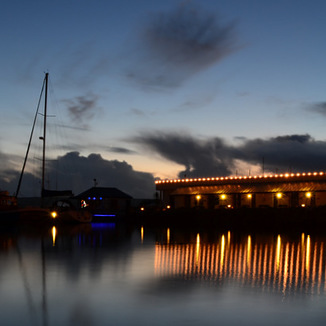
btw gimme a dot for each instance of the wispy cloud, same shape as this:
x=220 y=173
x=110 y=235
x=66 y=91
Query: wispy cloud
x=81 y=109
x=120 y=150
x=319 y=108
x=179 y=43
x=137 y=112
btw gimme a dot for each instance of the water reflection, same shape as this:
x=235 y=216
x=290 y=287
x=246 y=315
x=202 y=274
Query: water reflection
x=54 y=235
x=142 y=234
x=104 y=274
x=271 y=264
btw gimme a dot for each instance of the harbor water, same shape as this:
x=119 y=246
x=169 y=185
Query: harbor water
x=107 y=274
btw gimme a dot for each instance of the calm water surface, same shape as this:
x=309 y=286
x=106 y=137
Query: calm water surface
x=102 y=274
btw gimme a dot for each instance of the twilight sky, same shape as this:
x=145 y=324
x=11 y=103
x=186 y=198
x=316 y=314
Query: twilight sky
x=143 y=89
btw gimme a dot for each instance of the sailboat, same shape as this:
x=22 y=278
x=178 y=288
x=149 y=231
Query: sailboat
x=63 y=209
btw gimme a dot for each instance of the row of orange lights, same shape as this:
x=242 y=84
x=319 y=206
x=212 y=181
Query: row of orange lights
x=286 y=175
x=249 y=196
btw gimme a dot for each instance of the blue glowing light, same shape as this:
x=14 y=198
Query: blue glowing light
x=105 y=215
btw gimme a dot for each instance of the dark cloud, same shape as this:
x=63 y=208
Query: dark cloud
x=73 y=169
x=75 y=172
x=293 y=139
x=179 y=43
x=318 y=108
x=200 y=158
x=120 y=150
x=82 y=108
x=207 y=157
x=7 y=172
x=214 y=157
x=9 y=180
x=284 y=153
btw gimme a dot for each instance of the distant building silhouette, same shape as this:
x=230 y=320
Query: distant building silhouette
x=105 y=201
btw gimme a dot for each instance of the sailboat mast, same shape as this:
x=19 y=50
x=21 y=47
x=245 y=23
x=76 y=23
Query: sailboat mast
x=44 y=131
x=30 y=141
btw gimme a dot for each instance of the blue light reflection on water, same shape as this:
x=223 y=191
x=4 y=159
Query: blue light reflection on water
x=103 y=225
x=113 y=275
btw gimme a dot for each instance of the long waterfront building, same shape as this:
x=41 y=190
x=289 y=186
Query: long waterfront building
x=269 y=190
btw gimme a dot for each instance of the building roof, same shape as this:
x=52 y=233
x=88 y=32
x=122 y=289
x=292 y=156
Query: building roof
x=105 y=192
x=242 y=180
x=266 y=183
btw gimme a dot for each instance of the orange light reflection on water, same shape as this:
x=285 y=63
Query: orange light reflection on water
x=278 y=264
x=54 y=235
x=142 y=234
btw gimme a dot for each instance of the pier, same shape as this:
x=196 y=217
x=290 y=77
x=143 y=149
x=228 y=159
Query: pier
x=288 y=190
